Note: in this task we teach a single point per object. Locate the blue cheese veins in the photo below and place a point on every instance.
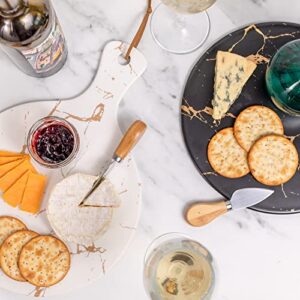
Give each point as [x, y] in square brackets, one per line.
[231, 74]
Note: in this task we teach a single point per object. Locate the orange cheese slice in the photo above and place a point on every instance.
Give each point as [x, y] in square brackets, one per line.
[9, 166]
[13, 196]
[7, 159]
[10, 153]
[33, 194]
[7, 180]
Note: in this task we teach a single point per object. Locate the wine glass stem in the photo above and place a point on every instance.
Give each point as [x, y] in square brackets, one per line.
[180, 22]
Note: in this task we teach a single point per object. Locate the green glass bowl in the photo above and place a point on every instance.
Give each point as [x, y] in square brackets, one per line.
[283, 78]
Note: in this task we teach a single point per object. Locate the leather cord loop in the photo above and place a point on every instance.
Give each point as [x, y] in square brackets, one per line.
[138, 36]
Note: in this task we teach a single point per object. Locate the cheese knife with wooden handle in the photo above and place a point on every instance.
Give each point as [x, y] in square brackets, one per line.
[202, 213]
[129, 140]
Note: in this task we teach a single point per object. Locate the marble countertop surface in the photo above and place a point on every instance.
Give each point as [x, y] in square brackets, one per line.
[257, 255]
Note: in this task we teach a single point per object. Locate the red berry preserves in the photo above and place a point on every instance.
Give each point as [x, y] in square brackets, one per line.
[53, 143]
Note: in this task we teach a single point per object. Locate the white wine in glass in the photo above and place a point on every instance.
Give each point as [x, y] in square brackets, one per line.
[178, 268]
[181, 26]
[189, 6]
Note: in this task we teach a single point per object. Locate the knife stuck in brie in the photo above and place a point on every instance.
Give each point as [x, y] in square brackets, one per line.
[81, 225]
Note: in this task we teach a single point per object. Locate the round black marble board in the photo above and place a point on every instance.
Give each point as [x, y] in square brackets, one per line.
[198, 126]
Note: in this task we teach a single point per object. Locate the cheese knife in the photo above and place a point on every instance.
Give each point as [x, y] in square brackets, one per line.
[129, 140]
[202, 213]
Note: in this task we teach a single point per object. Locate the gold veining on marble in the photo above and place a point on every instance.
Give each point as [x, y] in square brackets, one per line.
[38, 292]
[211, 59]
[230, 115]
[283, 191]
[127, 227]
[132, 70]
[92, 249]
[292, 138]
[258, 58]
[120, 47]
[246, 30]
[89, 249]
[103, 265]
[294, 193]
[190, 112]
[106, 94]
[95, 117]
[209, 173]
[123, 192]
[54, 109]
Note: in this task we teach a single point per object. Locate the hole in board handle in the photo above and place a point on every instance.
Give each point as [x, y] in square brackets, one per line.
[123, 61]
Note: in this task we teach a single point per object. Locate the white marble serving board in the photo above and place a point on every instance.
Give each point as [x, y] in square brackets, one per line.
[94, 114]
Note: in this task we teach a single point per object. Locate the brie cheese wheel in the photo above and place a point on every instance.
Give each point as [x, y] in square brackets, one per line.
[81, 225]
[231, 74]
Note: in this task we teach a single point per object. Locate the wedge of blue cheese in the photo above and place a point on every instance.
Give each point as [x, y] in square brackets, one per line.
[231, 74]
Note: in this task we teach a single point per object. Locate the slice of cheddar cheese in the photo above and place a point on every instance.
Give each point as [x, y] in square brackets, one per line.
[7, 180]
[10, 153]
[33, 193]
[7, 159]
[13, 196]
[9, 166]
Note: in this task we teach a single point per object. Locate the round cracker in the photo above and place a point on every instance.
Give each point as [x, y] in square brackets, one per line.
[253, 123]
[9, 225]
[273, 160]
[10, 252]
[226, 156]
[44, 261]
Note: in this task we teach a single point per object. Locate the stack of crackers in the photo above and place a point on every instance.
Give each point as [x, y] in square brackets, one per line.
[256, 144]
[27, 256]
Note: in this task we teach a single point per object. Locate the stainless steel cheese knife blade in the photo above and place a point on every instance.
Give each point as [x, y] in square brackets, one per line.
[248, 197]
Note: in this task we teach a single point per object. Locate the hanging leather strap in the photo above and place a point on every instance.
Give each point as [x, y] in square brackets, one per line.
[137, 38]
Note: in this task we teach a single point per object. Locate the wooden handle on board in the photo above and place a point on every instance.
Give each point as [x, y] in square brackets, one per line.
[130, 139]
[203, 213]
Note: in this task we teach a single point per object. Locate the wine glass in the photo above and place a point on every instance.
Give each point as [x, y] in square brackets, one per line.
[181, 26]
[177, 267]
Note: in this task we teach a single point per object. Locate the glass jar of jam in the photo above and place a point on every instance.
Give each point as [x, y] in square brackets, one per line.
[53, 142]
